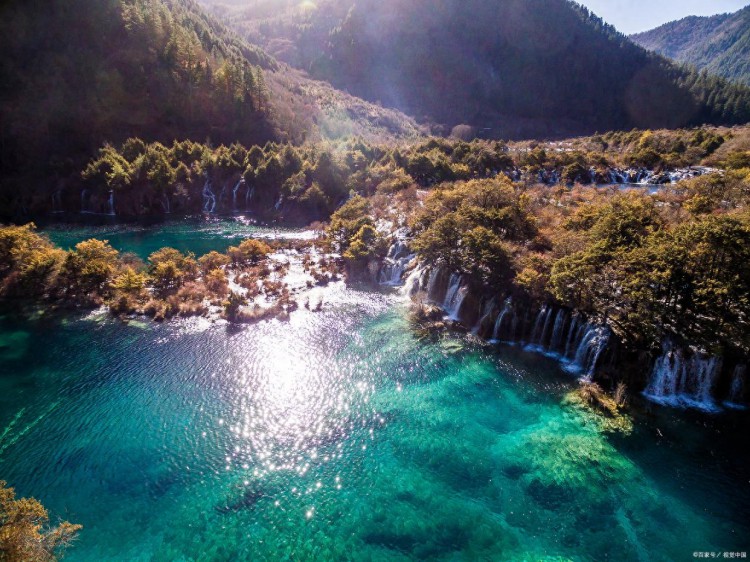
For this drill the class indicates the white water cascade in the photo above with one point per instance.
(415, 281)
(556, 332)
(432, 283)
(592, 340)
(222, 195)
(487, 309)
(209, 198)
(454, 297)
(395, 263)
(558, 329)
(249, 195)
(505, 313)
(234, 193)
(737, 387)
(541, 325)
(572, 335)
(165, 204)
(111, 202)
(678, 380)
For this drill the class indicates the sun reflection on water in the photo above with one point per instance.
(294, 398)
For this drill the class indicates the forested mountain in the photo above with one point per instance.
(512, 68)
(77, 73)
(719, 44)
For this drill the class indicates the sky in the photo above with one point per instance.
(632, 16)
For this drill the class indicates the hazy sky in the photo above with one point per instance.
(632, 16)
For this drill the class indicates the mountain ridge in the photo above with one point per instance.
(719, 44)
(518, 69)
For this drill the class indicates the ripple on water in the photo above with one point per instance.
(340, 435)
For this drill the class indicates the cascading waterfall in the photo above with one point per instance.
(589, 349)
(432, 283)
(557, 331)
(578, 344)
(395, 264)
(249, 195)
(415, 281)
(111, 202)
(572, 335)
(680, 381)
(678, 378)
(234, 193)
(737, 388)
(454, 309)
(487, 309)
(507, 309)
(453, 286)
(540, 326)
(165, 204)
(209, 198)
(454, 297)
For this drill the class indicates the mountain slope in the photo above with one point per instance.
(75, 74)
(511, 67)
(719, 44)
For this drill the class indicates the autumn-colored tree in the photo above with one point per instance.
(25, 533)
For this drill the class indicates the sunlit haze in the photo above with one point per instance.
(634, 16)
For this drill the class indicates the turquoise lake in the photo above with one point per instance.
(345, 435)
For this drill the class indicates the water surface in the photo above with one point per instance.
(346, 435)
(199, 235)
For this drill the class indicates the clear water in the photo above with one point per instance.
(199, 235)
(342, 435)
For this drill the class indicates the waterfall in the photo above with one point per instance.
(557, 331)
(414, 281)
(507, 308)
(540, 327)
(432, 284)
(395, 264)
(454, 297)
(487, 310)
(209, 199)
(545, 329)
(737, 389)
(455, 306)
(453, 285)
(277, 206)
(165, 204)
(111, 202)
(234, 193)
(249, 195)
(222, 195)
(680, 381)
(590, 346)
(572, 334)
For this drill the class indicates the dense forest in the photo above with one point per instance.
(509, 69)
(300, 184)
(718, 44)
(76, 74)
